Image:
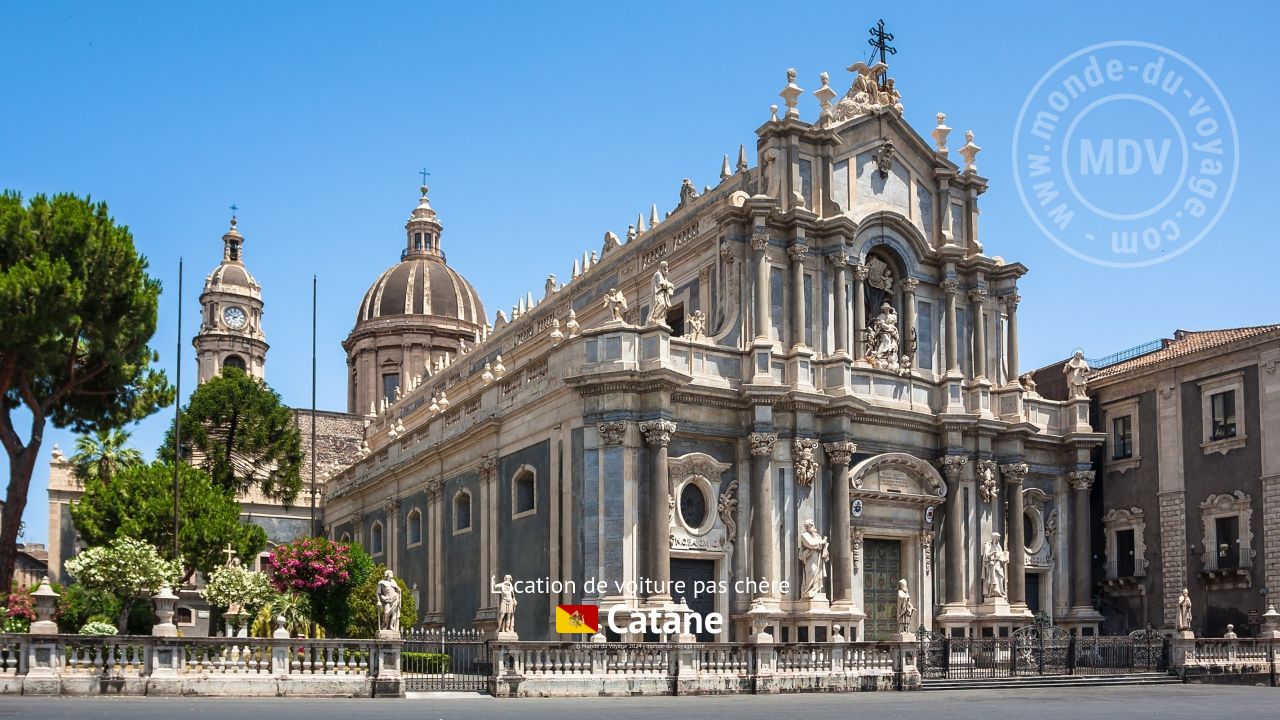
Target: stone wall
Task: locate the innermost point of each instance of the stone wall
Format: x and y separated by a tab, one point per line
338	438
1173	551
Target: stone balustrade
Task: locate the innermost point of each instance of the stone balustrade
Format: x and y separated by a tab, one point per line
144	665
552	669
1227	659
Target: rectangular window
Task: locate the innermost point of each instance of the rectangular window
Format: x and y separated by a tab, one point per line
1124	553
808	310
775	301
963	341
1122	437
1224	415
1227	530
390	382
924	335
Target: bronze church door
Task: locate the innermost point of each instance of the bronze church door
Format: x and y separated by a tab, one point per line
882	561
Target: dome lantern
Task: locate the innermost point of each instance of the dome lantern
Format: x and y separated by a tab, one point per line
423	230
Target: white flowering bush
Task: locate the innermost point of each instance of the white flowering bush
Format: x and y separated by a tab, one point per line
127	568
238	589
98	628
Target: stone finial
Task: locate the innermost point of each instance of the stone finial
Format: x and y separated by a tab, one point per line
940	134
653	215
970	153
577	270
631	233
444	401
555	334
825	95
549	287
773	113
742	159
725	173
791	95
640	227
57	455
487	375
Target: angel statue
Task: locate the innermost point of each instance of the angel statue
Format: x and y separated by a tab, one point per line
617	304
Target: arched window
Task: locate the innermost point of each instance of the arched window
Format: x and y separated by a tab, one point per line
234	361
524	492
413	527
375	539
345	539
461	512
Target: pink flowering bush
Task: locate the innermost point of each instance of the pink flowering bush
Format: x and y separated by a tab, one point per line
326	573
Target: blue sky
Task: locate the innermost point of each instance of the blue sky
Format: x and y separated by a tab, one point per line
543	127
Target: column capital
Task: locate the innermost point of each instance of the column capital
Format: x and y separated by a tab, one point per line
657	432
951	286
840	452
796	251
860	272
839	258
1011	302
953	465
759	238
806	468
358	520
488	469
977	294
1014	472
434	486
762	443
726	252
391	506
908	284
1081	479
612	433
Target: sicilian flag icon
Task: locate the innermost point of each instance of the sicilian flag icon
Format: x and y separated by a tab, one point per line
577	619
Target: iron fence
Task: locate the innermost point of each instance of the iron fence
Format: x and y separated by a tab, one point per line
1041	649
445	660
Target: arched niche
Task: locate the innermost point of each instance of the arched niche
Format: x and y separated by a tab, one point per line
898	474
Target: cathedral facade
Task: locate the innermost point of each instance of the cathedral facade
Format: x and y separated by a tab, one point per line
794	390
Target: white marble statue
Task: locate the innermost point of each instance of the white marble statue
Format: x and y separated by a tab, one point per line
506	605
882	351
1077	372
388	604
1184	611
906	608
697	325
617	304
663	290
814	555
995	560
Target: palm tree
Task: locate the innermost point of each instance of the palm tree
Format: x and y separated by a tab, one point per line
101	454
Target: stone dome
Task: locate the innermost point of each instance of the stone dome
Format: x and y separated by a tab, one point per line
422	285
232	274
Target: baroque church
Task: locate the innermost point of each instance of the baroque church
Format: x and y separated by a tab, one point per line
776	401
792	391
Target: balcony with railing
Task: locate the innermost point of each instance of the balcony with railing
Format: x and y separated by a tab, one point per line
1228	565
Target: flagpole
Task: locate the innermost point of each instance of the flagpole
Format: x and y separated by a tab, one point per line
313	406
177	418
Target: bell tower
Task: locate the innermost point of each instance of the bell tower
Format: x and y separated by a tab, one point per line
231	315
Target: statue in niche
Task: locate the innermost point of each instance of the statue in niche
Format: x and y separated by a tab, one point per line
882	352
1077	372
663	290
1184	611
995	561
906	608
616	302
814	555
389	600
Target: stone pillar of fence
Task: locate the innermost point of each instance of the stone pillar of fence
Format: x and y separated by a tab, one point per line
386	681
905	665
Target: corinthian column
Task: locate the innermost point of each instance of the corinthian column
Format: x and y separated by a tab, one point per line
951	287
976	297
909	286
796	252
860	273
1011	310
840	453
1013	475
1081	567
760	241
840	261
952	467
657	433
762	541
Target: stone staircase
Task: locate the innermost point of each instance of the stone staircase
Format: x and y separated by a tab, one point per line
1043	681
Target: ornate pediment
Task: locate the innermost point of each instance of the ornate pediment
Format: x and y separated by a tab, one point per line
898	474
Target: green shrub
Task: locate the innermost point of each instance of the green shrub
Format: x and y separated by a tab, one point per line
79	604
424	662
98	628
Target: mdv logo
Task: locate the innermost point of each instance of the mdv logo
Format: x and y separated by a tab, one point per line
1124	156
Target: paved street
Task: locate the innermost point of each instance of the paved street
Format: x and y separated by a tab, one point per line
1165	702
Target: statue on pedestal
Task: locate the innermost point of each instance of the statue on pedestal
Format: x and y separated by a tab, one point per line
616	302
906	609
1184	611
506	607
995	560
663	291
1077	372
389	600
814	554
